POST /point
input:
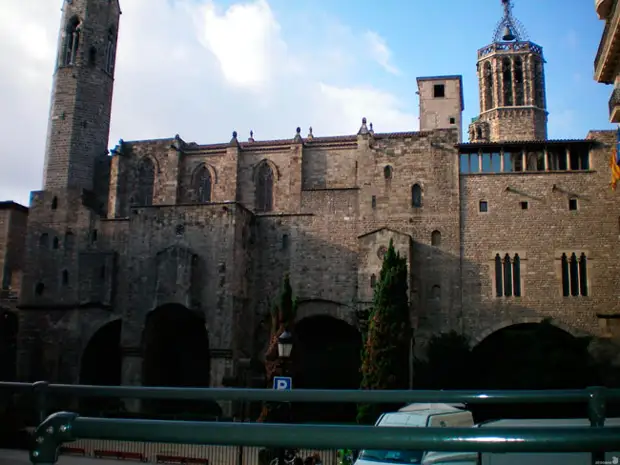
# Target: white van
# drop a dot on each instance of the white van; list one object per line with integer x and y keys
{"x": 417, "y": 416}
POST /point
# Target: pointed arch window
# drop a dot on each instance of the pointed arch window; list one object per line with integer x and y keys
{"x": 416, "y": 196}
{"x": 488, "y": 86}
{"x": 574, "y": 275}
{"x": 264, "y": 188}
{"x": 203, "y": 185}
{"x": 146, "y": 182}
{"x": 507, "y": 275}
{"x": 507, "y": 82}
{"x": 109, "y": 52}
{"x": 72, "y": 41}
{"x": 518, "y": 79}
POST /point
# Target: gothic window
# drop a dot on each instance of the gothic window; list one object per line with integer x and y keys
{"x": 39, "y": 289}
{"x": 55, "y": 243}
{"x": 507, "y": 275}
{"x": 264, "y": 188}
{"x": 436, "y": 292}
{"x": 373, "y": 280}
{"x": 488, "y": 87}
{"x": 284, "y": 241}
{"x": 54, "y": 203}
{"x": 387, "y": 172}
{"x": 92, "y": 57}
{"x": 507, "y": 82}
{"x": 539, "y": 85}
{"x": 93, "y": 236}
{"x": 69, "y": 239}
{"x": 203, "y": 184}
{"x": 519, "y": 91}
{"x": 436, "y": 238}
{"x": 416, "y": 196}
{"x": 479, "y": 132}
{"x": 72, "y": 41}
{"x": 43, "y": 240}
{"x": 146, "y": 182}
{"x": 109, "y": 52}
{"x": 574, "y": 275}
{"x": 373, "y": 201}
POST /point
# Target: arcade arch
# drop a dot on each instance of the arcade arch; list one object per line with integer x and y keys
{"x": 101, "y": 365}
{"x": 532, "y": 356}
{"x": 176, "y": 353}
{"x": 326, "y": 355}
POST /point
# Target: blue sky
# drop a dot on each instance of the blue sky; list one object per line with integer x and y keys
{"x": 428, "y": 40}
{"x": 204, "y": 68}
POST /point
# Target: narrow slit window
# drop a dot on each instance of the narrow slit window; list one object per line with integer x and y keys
{"x": 507, "y": 276}
{"x": 498, "y": 276}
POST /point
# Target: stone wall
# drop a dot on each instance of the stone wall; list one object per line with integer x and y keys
{"x": 13, "y": 225}
{"x": 540, "y": 234}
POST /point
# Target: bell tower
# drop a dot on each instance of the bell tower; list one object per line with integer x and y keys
{"x": 512, "y": 85}
{"x": 81, "y": 101}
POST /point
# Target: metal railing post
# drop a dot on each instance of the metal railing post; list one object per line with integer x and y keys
{"x": 51, "y": 433}
{"x": 40, "y": 390}
{"x": 596, "y": 413}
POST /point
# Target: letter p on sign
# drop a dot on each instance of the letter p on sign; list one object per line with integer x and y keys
{"x": 282, "y": 383}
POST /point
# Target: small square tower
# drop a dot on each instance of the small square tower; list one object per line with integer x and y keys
{"x": 441, "y": 103}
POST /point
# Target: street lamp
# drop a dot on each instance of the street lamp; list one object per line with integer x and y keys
{"x": 285, "y": 345}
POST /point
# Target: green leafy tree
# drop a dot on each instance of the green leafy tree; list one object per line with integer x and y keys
{"x": 282, "y": 319}
{"x": 385, "y": 355}
{"x": 448, "y": 363}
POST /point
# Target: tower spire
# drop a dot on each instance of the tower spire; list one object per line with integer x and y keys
{"x": 509, "y": 28}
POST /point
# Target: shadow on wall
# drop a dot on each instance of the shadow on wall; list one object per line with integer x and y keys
{"x": 514, "y": 358}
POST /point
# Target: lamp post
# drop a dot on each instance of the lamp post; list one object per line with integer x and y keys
{"x": 285, "y": 347}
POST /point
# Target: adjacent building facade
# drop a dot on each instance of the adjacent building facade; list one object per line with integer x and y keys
{"x": 606, "y": 63}
{"x": 508, "y": 228}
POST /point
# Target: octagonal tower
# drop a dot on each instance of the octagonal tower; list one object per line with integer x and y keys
{"x": 512, "y": 86}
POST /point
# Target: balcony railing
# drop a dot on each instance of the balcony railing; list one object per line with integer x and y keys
{"x": 65, "y": 427}
{"x": 614, "y": 106}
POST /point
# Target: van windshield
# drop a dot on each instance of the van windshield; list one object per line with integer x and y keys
{"x": 392, "y": 456}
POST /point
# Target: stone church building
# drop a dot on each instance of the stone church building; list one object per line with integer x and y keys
{"x": 177, "y": 240}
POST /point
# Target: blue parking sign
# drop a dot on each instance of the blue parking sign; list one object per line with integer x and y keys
{"x": 282, "y": 383}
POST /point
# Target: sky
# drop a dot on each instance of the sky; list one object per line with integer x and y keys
{"x": 204, "y": 68}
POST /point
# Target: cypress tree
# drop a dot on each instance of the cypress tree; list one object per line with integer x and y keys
{"x": 385, "y": 355}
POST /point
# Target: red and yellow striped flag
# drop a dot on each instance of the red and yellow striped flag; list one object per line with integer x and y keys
{"x": 614, "y": 161}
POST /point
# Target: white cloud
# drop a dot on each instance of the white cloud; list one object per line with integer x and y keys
{"x": 198, "y": 69}
{"x": 379, "y": 51}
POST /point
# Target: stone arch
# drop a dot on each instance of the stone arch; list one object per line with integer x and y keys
{"x": 72, "y": 39}
{"x": 486, "y": 332}
{"x": 532, "y": 355}
{"x": 8, "y": 345}
{"x": 175, "y": 345}
{"x": 271, "y": 164}
{"x": 146, "y": 170}
{"x": 265, "y": 178}
{"x": 416, "y": 195}
{"x": 100, "y": 364}
{"x": 203, "y": 178}
{"x": 326, "y": 355}
{"x": 307, "y": 308}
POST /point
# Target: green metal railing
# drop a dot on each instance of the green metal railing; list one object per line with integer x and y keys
{"x": 63, "y": 427}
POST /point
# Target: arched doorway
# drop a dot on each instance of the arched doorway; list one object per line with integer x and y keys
{"x": 101, "y": 366}
{"x": 326, "y": 356}
{"x": 176, "y": 353}
{"x": 532, "y": 356}
{"x": 8, "y": 344}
